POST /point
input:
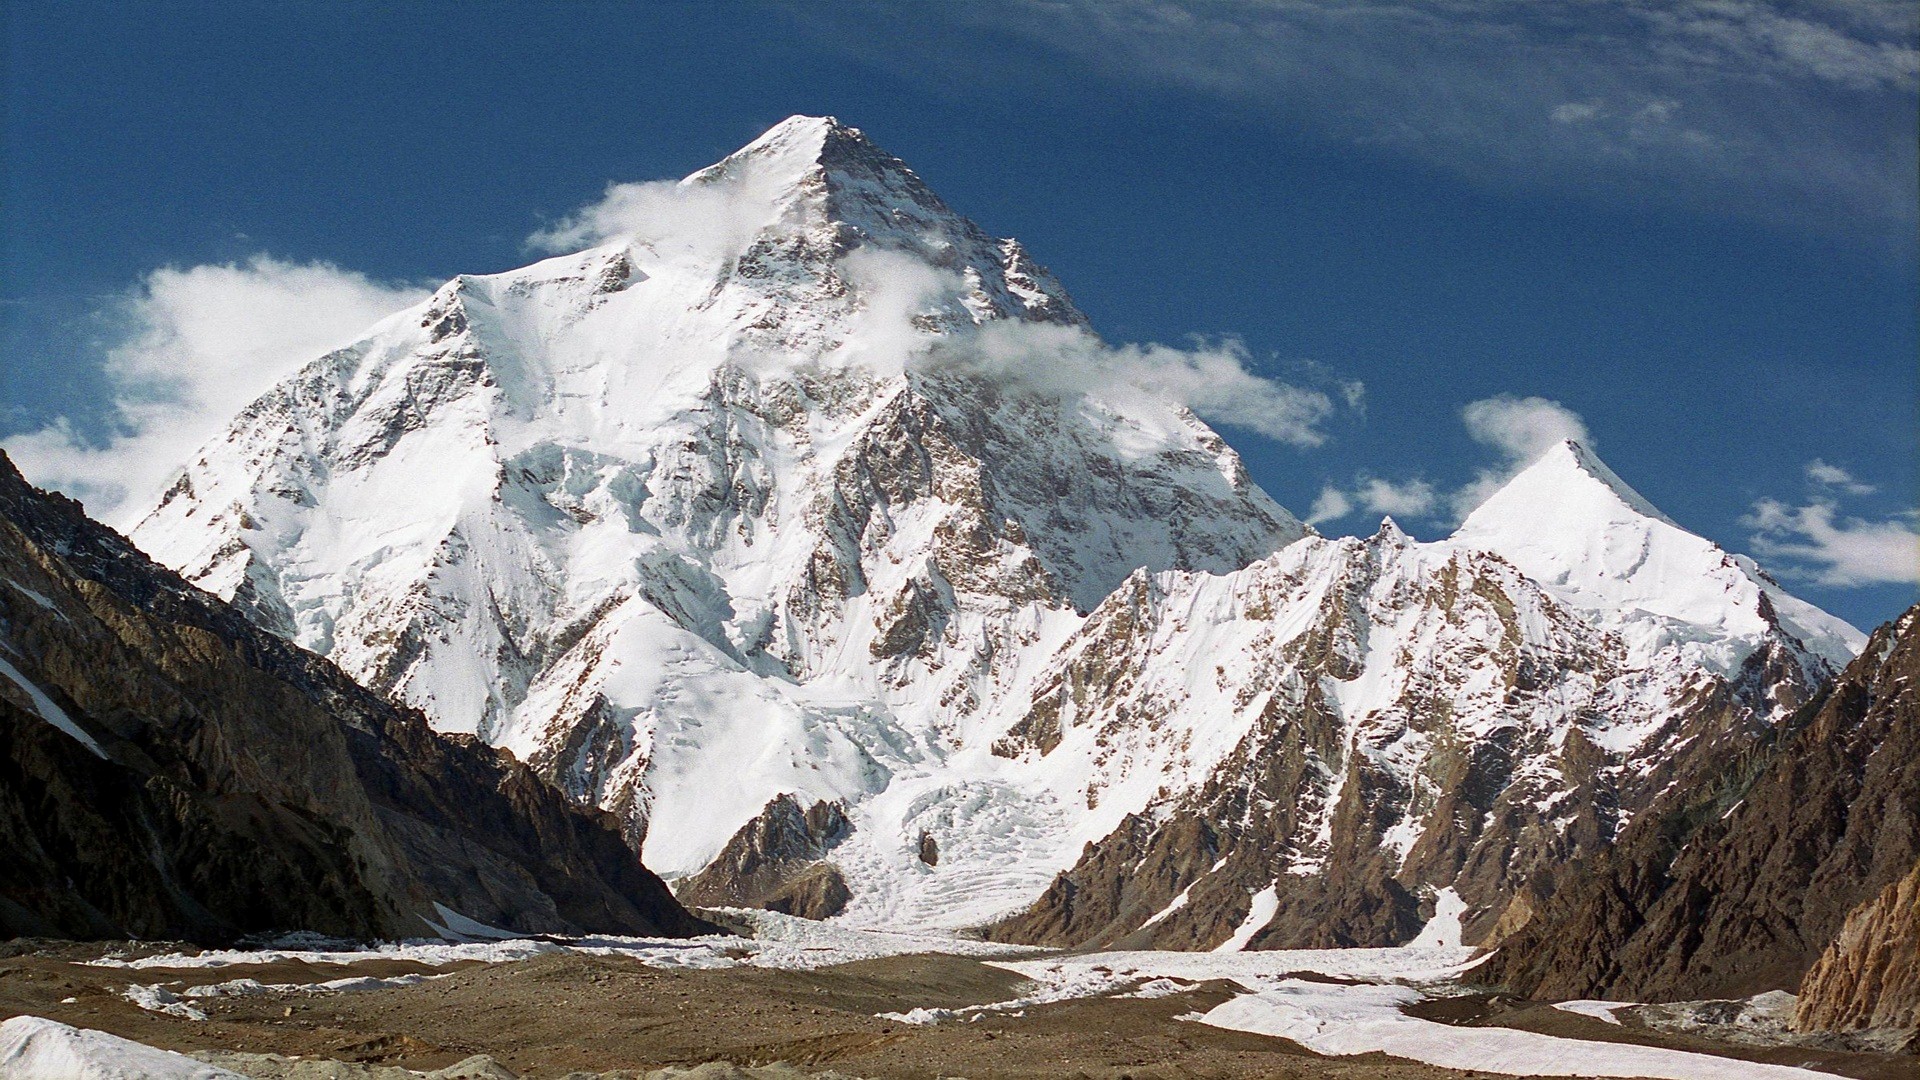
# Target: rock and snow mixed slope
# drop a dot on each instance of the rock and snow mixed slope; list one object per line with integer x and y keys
{"x": 782, "y": 497}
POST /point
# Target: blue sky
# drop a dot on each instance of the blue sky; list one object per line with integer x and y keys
{"x": 1688, "y": 226}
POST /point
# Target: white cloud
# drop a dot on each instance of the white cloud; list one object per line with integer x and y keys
{"x": 1574, "y": 112}
{"x": 1215, "y": 379}
{"x": 1800, "y": 111}
{"x": 703, "y": 221}
{"x": 200, "y": 344}
{"x": 1408, "y": 499}
{"x": 1834, "y": 476}
{"x": 1520, "y": 429}
{"x": 1332, "y": 504}
{"x": 1814, "y": 541}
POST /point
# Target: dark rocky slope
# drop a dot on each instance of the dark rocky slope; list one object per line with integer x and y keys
{"x": 1739, "y": 886}
{"x": 1498, "y": 800}
{"x": 231, "y": 783}
{"x": 778, "y": 861}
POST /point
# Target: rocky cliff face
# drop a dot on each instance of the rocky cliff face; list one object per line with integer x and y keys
{"x": 1869, "y": 977}
{"x": 831, "y": 504}
{"x": 1738, "y": 882}
{"x": 168, "y": 769}
{"x": 778, "y": 861}
{"x": 1426, "y": 724}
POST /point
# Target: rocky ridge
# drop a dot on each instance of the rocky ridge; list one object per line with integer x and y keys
{"x": 169, "y": 770}
{"x": 805, "y": 509}
{"x": 1791, "y": 867}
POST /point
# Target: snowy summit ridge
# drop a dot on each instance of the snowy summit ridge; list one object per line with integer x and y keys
{"x": 774, "y": 490}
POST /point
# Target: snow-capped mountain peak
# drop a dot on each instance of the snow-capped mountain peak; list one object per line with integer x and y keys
{"x": 705, "y": 524}
{"x": 1573, "y": 525}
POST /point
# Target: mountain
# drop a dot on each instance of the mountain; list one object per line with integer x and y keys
{"x": 1794, "y": 867}
{"x": 809, "y": 529}
{"x": 169, "y": 770}
{"x": 1391, "y": 719}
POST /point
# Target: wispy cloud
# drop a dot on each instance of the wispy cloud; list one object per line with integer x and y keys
{"x": 1217, "y": 378}
{"x": 1815, "y": 540}
{"x": 1802, "y": 110}
{"x": 1408, "y": 499}
{"x": 1520, "y": 429}
{"x": 196, "y": 345}
{"x": 1833, "y": 476}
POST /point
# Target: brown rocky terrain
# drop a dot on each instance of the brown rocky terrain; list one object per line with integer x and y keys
{"x": 232, "y": 783}
{"x": 1806, "y": 844}
{"x": 563, "y": 1014}
{"x": 1496, "y": 799}
{"x": 778, "y": 861}
{"x": 1870, "y": 976}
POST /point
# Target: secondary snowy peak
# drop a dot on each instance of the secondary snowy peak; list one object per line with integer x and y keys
{"x": 1570, "y": 523}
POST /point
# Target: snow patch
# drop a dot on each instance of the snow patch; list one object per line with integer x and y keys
{"x": 32, "y": 1047}
{"x": 1347, "y": 1020}
{"x": 1265, "y": 903}
{"x": 1443, "y": 930}
{"x": 1599, "y": 1010}
{"x": 50, "y": 712}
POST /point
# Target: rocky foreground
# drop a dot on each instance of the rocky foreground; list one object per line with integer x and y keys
{"x": 800, "y": 1000}
{"x": 167, "y": 769}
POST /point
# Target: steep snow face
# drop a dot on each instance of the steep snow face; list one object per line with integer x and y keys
{"x": 1569, "y": 523}
{"x": 721, "y": 511}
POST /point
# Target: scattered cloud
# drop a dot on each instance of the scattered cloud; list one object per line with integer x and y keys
{"x": 702, "y": 221}
{"x": 196, "y": 345}
{"x": 1833, "y": 476}
{"x": 1372, "y": 495}
{"x": 1815, "y": 541}
{"x": 1795, "y": 110}
{"x": 1214, "y": 378}
{"x": 1520, "y": 429}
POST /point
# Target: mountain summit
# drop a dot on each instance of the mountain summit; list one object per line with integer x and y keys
{"x": 736, "y": 524}
{"x": 1569, "y": 522}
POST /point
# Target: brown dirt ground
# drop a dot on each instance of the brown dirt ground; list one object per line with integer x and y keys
{"x": 553, "y": 1014}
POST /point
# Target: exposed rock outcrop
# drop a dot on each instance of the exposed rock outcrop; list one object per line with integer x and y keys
{"x": 1738, "y": 882}
{"x": 1869, "y": 977}
{"x": 777, "y": 862}
{"x": 168, "y": 769}
{"x": 1436, "y": 720}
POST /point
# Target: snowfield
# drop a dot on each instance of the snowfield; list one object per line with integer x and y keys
{"x": 35, "y": 1049}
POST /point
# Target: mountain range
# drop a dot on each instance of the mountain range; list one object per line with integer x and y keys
{"x": 811, "y": 532}
{"x": 711, "y": 516}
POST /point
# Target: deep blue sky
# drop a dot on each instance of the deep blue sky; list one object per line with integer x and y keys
{"x": 1722, "y": 303}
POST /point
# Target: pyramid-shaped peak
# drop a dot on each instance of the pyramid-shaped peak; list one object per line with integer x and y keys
{"x": 1574, "y": 526}
{"x": 802, "y": 147}
{"x": 1568, "y": 481}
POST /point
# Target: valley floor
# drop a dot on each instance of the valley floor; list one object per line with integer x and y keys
{"x": 857, "y": 1004}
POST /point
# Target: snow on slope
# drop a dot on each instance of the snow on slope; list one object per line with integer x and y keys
{"x": 1572, "y": 525}
{"x": 687, "y": 522}
{"x": 746, "y": 504}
